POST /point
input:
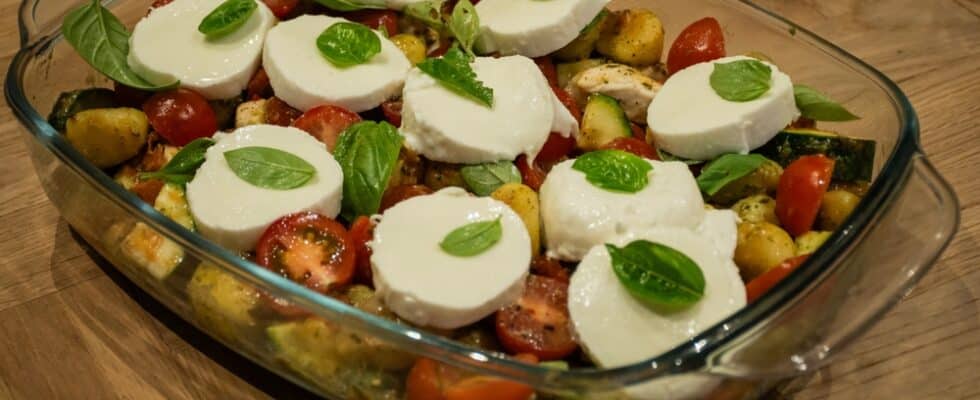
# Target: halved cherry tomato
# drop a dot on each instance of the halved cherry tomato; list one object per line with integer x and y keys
{"x": 531, "y": 175}
{"x": 431, "y": 380}
{"x": 556, "y": 148}
{"x": 638, "y": 131}
{"x": 259, "y": 86}
{"x": 401, "y": 193}
{"x": 326, "y": 123}
{"x": 282, "y": 8}
{"x": 376, "y": 18}
{"x": 181, "y": 116}
{"x": 277, "y": 112}
{"x": 444, "y": 46}
{"x": 308, "y": 248}
{"x": 569, "y": 103}
{"x": 800, "y": 192}
{"x": 393, "y": 112}
{"x": 762, "y": 283}
{"x": 550, "y": 268}
{"x": 361, "y": 232}
{"x": 547, "y": 68}
{"x": 700, "y": 42}
{"x": 538, "y": 323}
{"x": 633, "y": 145}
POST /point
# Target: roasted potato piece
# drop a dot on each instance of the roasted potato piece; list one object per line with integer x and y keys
{"x": 250, "y": 113}
{"x": 71, "y": 103}
{"x": 763, "y": 180}
{"x": 837, "y": 205}
{"x": 413, "y": 47}
{"x": 524, "y": 201}
{"x": 634, "y": 37}
{"x": 221, "y": 302}
{"x": 761, "y": 246}
{"x": 108, "y": 136}
{"x": 758, "y": 208}
{"x": 439, "y": 175}
{"x": 811, "y": 241}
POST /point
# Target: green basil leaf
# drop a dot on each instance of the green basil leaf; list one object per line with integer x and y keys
{"x": 103, "y": 42}
{"x": 269, "y": 168}
{"x": 428, "y": 12}
{"x": 483, "y": 179}
{"x": 227, "y": 18}
{"x": 464, "y": 24}
{"x": 181, "y": 168}
{"x": 614, "y": 170}
{"x": 368, "y": 153}
{"x": 727, "y": 169}
{"x": 472, "y": 239}
{"x": 453, "y": 71}
{"x": 742, "y": 80}
{"x": 657, "y": 275}
{"x": 352, "y": 5}
{"x": 346, "y": 44}
{"x": 818, "y": 107}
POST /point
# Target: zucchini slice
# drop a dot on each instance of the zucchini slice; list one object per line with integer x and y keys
{"x": 854, "y": 157}
{"x": 602, "y": 122}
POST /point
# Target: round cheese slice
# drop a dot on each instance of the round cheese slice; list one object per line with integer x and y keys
{"x": 303, "y": 78}
{"x": 533, "y": 28}
{"x": 233, "y": 212}
{"x": 427, "y": 286}
{"x": 688, "y": 119}
{"x": 166, "y": 46}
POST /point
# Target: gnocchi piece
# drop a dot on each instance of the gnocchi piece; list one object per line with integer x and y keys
{"x": 634, "y": 37}
{"x": 108, "y": 136}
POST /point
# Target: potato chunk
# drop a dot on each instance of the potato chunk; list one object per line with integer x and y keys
{"x": 108, "y": 136}
{"x": 634, "y": 37}
{"x": 524, "y": 201}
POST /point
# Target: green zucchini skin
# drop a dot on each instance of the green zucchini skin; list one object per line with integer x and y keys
{"x": 854, "y": 158}
{"x": 76, "y": 101}
{"x": 602, "y": 122}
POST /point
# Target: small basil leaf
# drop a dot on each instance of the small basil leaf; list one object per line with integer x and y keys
{"x": 742, "y": 80}
{"x": 429, "y": 12}
{"x": 657, "y": 275}
{"x": 818, "y": 107}
{"x": 614, "y": 170}
{"x": 368, "y": 153}
{"x": 727, "y": 169}
{"x": 352, "y": 5}
{"x": 227, "y": 18}
{"x": 472, "y": 239}
{"x": 181, "y": 168}
{"x": 483, "y": 179}
{"x": 346, "y": 44}
{"x": 464, "y": 24}
{"x": 103, "y": 42}
{"x": 453, "y": 71}
{"x": 269, "y": 168}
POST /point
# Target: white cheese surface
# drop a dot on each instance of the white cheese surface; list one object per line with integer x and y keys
{"x": 533, "y": 28}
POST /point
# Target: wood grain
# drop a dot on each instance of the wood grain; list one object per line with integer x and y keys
{"x": 73, "y": 328}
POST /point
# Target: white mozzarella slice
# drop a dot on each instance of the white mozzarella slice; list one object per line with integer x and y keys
{"x": 166, "y": 46}
{"x": 429, "y": 287}
{"x": 233, "y": 212}
{"x": 533, "y": 28}
{"x": 577, "y": 215}
{"x": 447, "y": 127}
{"x": 690, "y": 120}
{"x": 720, "y": 227}
{"x": 303, "y": 78}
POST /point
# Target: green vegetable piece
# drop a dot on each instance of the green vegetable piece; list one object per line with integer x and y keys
{"x": 464, "y": 24}
{"x": 227, "y": 18}
{"x": 74, "y": 102}
{"x": 472, "y": 239}
{"x": 657, "y": 275}
{"x": 727, "y": 169}
{"x": 346, "y": 44}
{"x": 603, "y": 121}
{"x": 102, "y": 41}
{"x": 483, "y": 179}
{"x": 666, "y": 156}
{"x": 368, "y": 154}
{"x": 614, "y": 170}
{"x": 428, "y": 12}
{"x": 269, "y": 168}
{"x": 184, "y": 164}
{"x": 453, "y": 71}
{"x": 352, "y": 5}
{"x": 742, "y": 80}
{"x": 818, "y": 107}
{"x": 854, "y": 159}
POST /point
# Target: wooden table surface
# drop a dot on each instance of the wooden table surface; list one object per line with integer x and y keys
{"x": 71, "y": 327}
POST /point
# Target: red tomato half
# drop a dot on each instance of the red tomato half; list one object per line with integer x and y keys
{"x": 800, "y": 192}
{"x": 277, "y": 112}
{"x": 538, "y": 323}
{"x": 361, "y": 232}
{"x": 376, "y": 18}
{"x": 700, "y": 42}
{"x": 556, "y": 148}
{"x": 762, "y": 283}
{"x": 547, "y": 68}
{"x": 308, "y": 248}
{"x": 326, "y": 123}
{"x": 282, "y": 8}
{"x": 181, "y": 116}
{"x": 632, "y": 145}
{"x": 259, "y": 86}
{"x": 431, "y": 380}
{"x": 531, "y": 175}
{"x": 569, "y": 103}
{"x": 392, "y": 111}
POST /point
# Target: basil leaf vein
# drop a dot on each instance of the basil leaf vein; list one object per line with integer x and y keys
{"x": 227, "y": 18}
{"x": 352, "y": 5}
{"x": 103, "y": 42}
{"x": 818, "y": 107}
{"x": 368, "y": 153}
{"x": 346, "y": 44}
{"x": 727, "y": 169}
{"x": 657, "y": 275}
{"x": 484, "y": 179}
{"x": 269, "y": 168}
{"x": 454, "y": 72}
{"x": 182, "y": 167}
{"x": 472, "y": 239}
{"x": 464, "y": 24}
{"x": 614, "y": 170}
{"x": 742, "y": 80}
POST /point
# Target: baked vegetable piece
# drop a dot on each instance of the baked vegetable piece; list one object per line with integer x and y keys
{"x": 108, "y": 136}
{"x": 853, "y": 158}
{"x": 602, "y": 122}
{"x": 74, "y": 102}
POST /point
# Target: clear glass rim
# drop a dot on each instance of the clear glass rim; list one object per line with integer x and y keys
{"x": 690, "y": 356}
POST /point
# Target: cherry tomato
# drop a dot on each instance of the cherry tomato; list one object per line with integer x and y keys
{"x": 277, "y": 112}
{"x": 259, "y": 86}
{"x": 401, "y": 193}
{"x": 361, "y": 232}
{"x": 633, "y": 145}
{"x": 376, "y": 18}
{"x": 308, "y": 248}
{"x": 282, "y": 8}
{"x": 700, "y": 42}
{"x": 762, "y": 283}
{"x": 157, "y": 4}
{"x": 181, "y": 116}
{"x": 538, "y": 323}
{"x": 569, "y": 103}
{"x": 556, "y": 148}
{"x": 148, "y": 190}
{"x": 130, "y": 97}
{"x": 800, "y": 192}
{"x": 549, "y": 268}
{"x": 444, "y": 46}
{"x": 393, "y": 112}
{"x": 431, "y": 380}
{"x": 531, "y": 175}
{"x": 547, "y": 68}
{"x": 638, "y": 131}
{"x": 326, "y": 123}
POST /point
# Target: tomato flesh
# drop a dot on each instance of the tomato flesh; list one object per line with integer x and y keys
{"x": 632, "y": 145}
{"x": 308, "y": 248}
{"x": 277, "y": 112}
{"x": 532, "y": 175}
{"x": 401, "y": 193}
{"x": 547, "y": 68}
{"x": 761, "y": 284}
{"x": 538, "y": 323}
{"x": 392, "y": 111}
{"x": 569, "y": 102}
{"x": 361, "y": 232}
{"x": 375, "y": 19}
{"x": 431, "y": 380}
{"x": 800, "y": 192}
{"x": 282, "y": 8}
{"x": 181, "y": 116}
{"x": 700, "y": 42}
{"x": 555, "y": 149}
{"x": 326, "y": 123}
{"x": 259, "y": 86}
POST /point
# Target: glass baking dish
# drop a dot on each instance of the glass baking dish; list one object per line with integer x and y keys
{"x": 902, "y": 225}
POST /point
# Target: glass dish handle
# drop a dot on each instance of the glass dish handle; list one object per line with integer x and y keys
{"x": 877, "y": 271}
